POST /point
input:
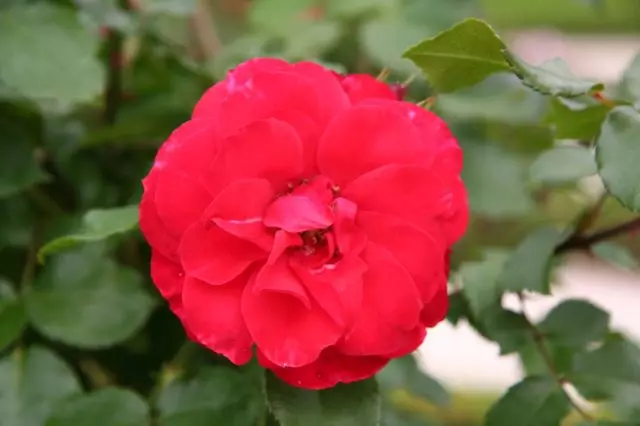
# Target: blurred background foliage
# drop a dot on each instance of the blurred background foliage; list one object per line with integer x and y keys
{"x": 90, "y": 88}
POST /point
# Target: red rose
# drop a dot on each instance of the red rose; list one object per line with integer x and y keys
{"x": 360, "y": 87}
{"x": 285, "y": 217}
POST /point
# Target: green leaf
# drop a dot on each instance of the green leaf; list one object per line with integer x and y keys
{"x": 564, "y": 164}
{"x": 461, "y": 56}
{"x": 480, "y": 281}
{"x": 215, "y": 395}
{"x": 629, "y": 87}
{"x": 535, "y": 401}
{"x": 495, "y": 181}
{"x": 509, "y": 329}
{"x": 606, "y": 423}
{"x": 105, "y": 407}
{"x": 96, "y": 225}
{"x": 404, "y": 373}
{"x": 274, "y": 16}
{"x": 529, "y": 267}
{"x": 615, "y": 254}
{"x": 577, "y": 118}
{"x": 48, "y": 55}
{"x": 551, "y": 78}
{"x": 84, "y": 299}
{"x": 355, "y": 8}
{"x": 534, "y": 363}
{"x": 33, "y": 383}
{"x": 611, "y": 369}
{"x": 618, "y": 155}
{"x": 575, "y": 323}
{"x": 343, "y": 405}
{"x": 171, "y": 7}
{"x": 458, "y": 307}
{"x": 12, "y": 316}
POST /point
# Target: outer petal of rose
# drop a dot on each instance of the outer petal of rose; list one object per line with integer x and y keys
{"x": 363, "y": 86}
{"x": 436, "y": 310}
{"x": 420, "y": 253}
{"x": 296, "y": 213}
{"x": 364, "y": 138}
{"x": 211, "y": 254}
{"x": 239, "y": 210}
{"x": 279, "y": 278}
{"x": 166, "y": 274}
{"x": 268, "y": 149}
{"x": 410, "y": 192}
{"x": 390, "y": 308}
{"x": 412, "y": 341}
{"x": 289, "y": 334}
{"x": 331, "y": 96}
{"x": 213, "y": 316}
{"x": 331, "y": 368}
{"x": 180, "y": 200}
{"x": 152, "y": 227}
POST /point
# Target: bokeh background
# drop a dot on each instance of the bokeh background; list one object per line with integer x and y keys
{"x": 161, "y": 55}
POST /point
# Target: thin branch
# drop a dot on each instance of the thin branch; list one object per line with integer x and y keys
{"x": 538, "y": 338}
{"x": 583, "y": 242}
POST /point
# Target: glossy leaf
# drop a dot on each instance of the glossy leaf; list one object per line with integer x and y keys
{"x": 461, "y": 56}
{"x": 480, "y": 281}
{"x": 577, "y": 118}
{"x": 564, "y": 164}
{"x": 575, "y": 323}
{"x": 33, "y": 382}
{"x": 12, "y": 316}
{"x": 343, "y": 405}
{"x": 630, "y": 85}
{"x": 618, "y": 156}
{"x": 87, "y": 300}
{"x": 96, "y": 225}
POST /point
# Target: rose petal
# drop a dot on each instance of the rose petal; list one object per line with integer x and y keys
{"x": 364, "y": 138}
{"x": 281, "y": 242}
{"x": 289, "y": 334}
{"x": 213, "y": 255}
{"x": 331, "y": 368}
{"x": 213, "y": 316}
{"x": 331, "y": 97}
{"x": 419, "y": 253}
{"x": 360, "y": 87}
{"x": 152, "y": 227}
{"x": 350, "y": 239}
{"x": 166, "y": 274}
{"x": 295, "y": 213}
{"x": 279, "y": 278}
{"x": 390, "y": 308}
{"x": 436, "y": 310}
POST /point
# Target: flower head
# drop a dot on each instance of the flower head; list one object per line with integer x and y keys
{"x": 306, "y": 218}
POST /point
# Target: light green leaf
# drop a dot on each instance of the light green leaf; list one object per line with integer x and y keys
{"x": 629, "y": 87}
{"x": 48, "y": 55}
{"x": 575, "y": 323}
{"x": 171, "y": 7}
{"x": 97, "y": 225}
{"x": 495, "y": 181}
{"x": 84, "y": 299}
{"x": 355, "y": 8}
{"x": 354, "y": 404}
{"x": 615, "y": 254}
{"x": 274, "y": 16}
{"x": 461, "y": 56}
{"x": 480, "y": 281}
{"x": 551, "y": 78}
{"x": 105, "y": 407}
{"x": 529, "y": 267}
{"x": 618, "y": 155}
{"x": 215, "y": 395}
{"x": 404, "y": 373}
{"x": 12, "y": 316}
{"x": 577, "y": 118}
{"x": 33, "y": 383}
{"x": 535, "y": 401}
{"x": 564, "y": 164}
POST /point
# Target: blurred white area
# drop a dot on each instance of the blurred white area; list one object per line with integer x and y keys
{"x": 458, "y": 356}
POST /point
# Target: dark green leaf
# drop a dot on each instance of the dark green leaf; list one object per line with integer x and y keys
{"x": 82, "y": 298}
{"x": 480, "y": 281}
{"x": 551, "y": 78}
{"x": 615, "y": 254}
{"x": 577, "y": 118}
{"x": 216, "y": 395}
{"x": 96, "y": 225}
{"x": 458, "y": 307}
{"x": 404, "y": 373}
{"x": 33, "y": 383}
{"x": 535, "y": 401}
{"x": 630, "y": 84}
{"x": 509, "y": 329}
{"x": 106, "y": 407}
{"x": 575, "y": 323}
{"x": 12, "y": 316}
{"x": 529, "y": 267}
{"x": 618, "y": 155}
{"x": 47, "y": 55}
{"x": 534, "y": 363}
{"x": 461, "y": 56}
{"x": 18, "y": 166}
{"x": 343, "y": 405}
{"x": 564, "y": 164}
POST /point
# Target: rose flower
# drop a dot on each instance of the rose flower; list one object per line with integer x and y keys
{"x": 305, "y": 218}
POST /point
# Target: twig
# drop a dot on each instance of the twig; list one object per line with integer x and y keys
{"x": 583, "y": 242}
{"x": 538, "y": 338}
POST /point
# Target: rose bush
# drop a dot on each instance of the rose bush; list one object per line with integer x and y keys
{"x": 308, "y": 216}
